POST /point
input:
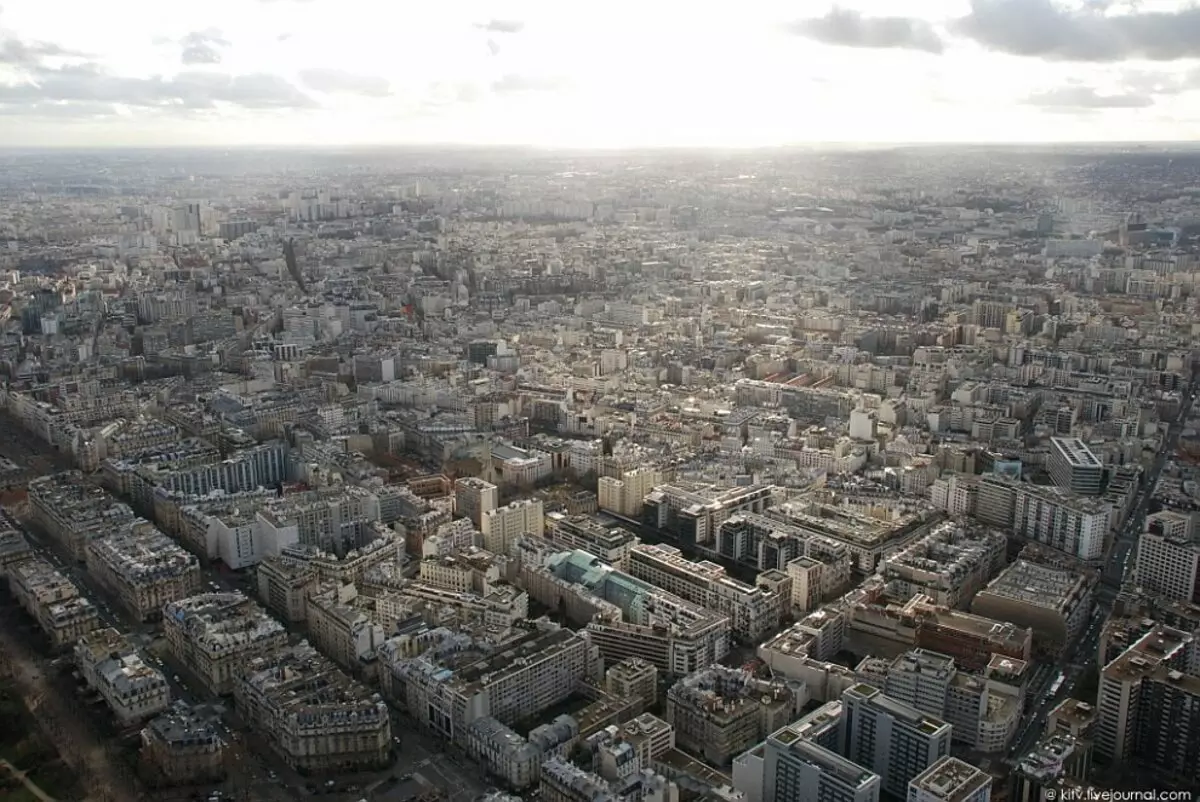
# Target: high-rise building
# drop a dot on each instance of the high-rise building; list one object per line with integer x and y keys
{"x": 1168, "y": 560}
{"x": 473, "y": 497}
{"x": 892, "y": 739}
{"x": 1073, "y": 466}
{"x": 800, "y": 763}
{"x": 503, "y": 526}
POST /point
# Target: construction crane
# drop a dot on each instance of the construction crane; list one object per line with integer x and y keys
{"x": 289, "y": 256}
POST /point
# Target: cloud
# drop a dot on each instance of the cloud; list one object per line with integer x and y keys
{"x": 847, "y": 28}
{"x": 513, "y": 83}
{"x": 15, "y": 53}
{"x": 61, "y": 111}
{"x": 88, "y": 83}
{"x": 1085, "y": 98}
{"x": 493, "y": 47}
{"x": 502, "y": 26}
{"x": 342, "y": 82}
{"x": 203, "y": 47}
{"x": 1045, "y": 29}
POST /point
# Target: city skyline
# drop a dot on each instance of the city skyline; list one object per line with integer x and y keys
{"x": 766, "y": 73}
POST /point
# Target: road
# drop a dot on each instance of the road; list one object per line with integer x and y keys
{"x": 1081, "y": 657}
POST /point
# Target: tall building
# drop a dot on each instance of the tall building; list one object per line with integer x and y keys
{"x": 473, "y": 497}
{"x": 1147, "y": 708}
{"x": 1058, "y": 518}
{"x": 951, "y": 780}
{"x": 1168, "y": 560}
{"x": 1073, "y": 466}
{"x": 503, "y": 526}
{"x": 892, "y": 739}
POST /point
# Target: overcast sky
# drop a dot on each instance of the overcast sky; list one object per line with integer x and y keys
{"x": 609, "y": 74}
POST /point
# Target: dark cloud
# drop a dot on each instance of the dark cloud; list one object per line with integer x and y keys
{"x": 15, "y": 53}
{"x": 203, "y": 47}
{"x": 502, "y": 26}
{"x": 1085, "y": 98}
{"x": 88, "y": 83}
{"x": 847, "y": 28}
{"x": 342, "y": 82}
{"x": 1045, "y": 29}
{"x": 513, "y": 83}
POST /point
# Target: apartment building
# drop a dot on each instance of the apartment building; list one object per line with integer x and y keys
{"x": 473, "y": 497}
{"x": 73, "y": 512}
{"x": 1053, "y": 602}
{"x": 315, "y": 717}
{"x": 284, "y": 585}
{"x": 1148, "y": 706}
{"x": 537, "y": 671}
{"x": 505, "y": 753}
{"x": 340, "y": 627}
{"x": 53, "y": 601}
{"x": 1168, "y": 559}
{"x": 111, "y": 666}
{"x": 720, "y": 712}
{"x": 216, "y": 634}
{"x": 1074, "y": 524}
{"x": 695, "y": 512}
{"x": 892, "y": 739}
{"x": 625, "y": 495}
{"x": 14, "y": 548}
{"x": 336, "y": 520}
{"x": 949, "y": 565}
{"x": 144, "y": 568}
{"x": 633, "y": 678}
{"x": 753, "y": 611}
{"x": 183, "y": 747}
{"x": 503, "y": 526}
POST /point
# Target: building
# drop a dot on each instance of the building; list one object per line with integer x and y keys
{"x": 14, "y": 548}
{"x": 1059, "y": 518}
{"x": 216, "y": 634}
{"x": 473, "y": 497}
{"x": 143, "y": 567}
{"x": 753, "y": 611}
{"x": 949, "y": 565}
{"x": 609, "y": 542}
{"x": 1074, "y": 467}
{"x": 1168, "y": 558}
{"x": 53, "y": 601}
{"x": 73, "y": 512}
{"x": 892, "y": 739}
{"x": 721, "y": 712}
{"x": 111, "y": 666}
{"x": 504, "y": 753}
{"x": 633, "y": 677}
{"x": 1148, "y": 707}
{"x": 951, "y": 780}
{"x": 284, "y": 586}
{"x": 1053, "y": 602}
{"x": 801, "y": 763}
{"x": 314, "y": 716}
{"x": 1052, "y": 768}
{"x": 183, "y": 747}
{"x": 503, "y": 526}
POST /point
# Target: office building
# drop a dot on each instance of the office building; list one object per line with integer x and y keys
{"x": 216, "y": 634}
{"x": 609, "y": 542}
{"x": 892, "y": 739}
{"x": 314, "y": 716}
{"x": 1073, "y": 466}
{"x": 1168, "y": 558}
{"x": 951, "y": 780}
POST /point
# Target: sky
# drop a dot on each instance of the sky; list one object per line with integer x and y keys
{"x": 618, "y": 73}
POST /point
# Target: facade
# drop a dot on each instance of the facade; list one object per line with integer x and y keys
{"x": 314, "y": 716}
{"x": 503, "y": 526}
{"x": 111, "y": 666}
{"x": 216, "y": 634}
{"x": 1072, "y": 523}
{"x": 1168, "y": 559}
{"x": 53, "y": 601}
{"x": 1074, "y": 467}
{"x": 143, "y": 567}
{"x": 893, "y": 739}
{"x": 505, "y": 753}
